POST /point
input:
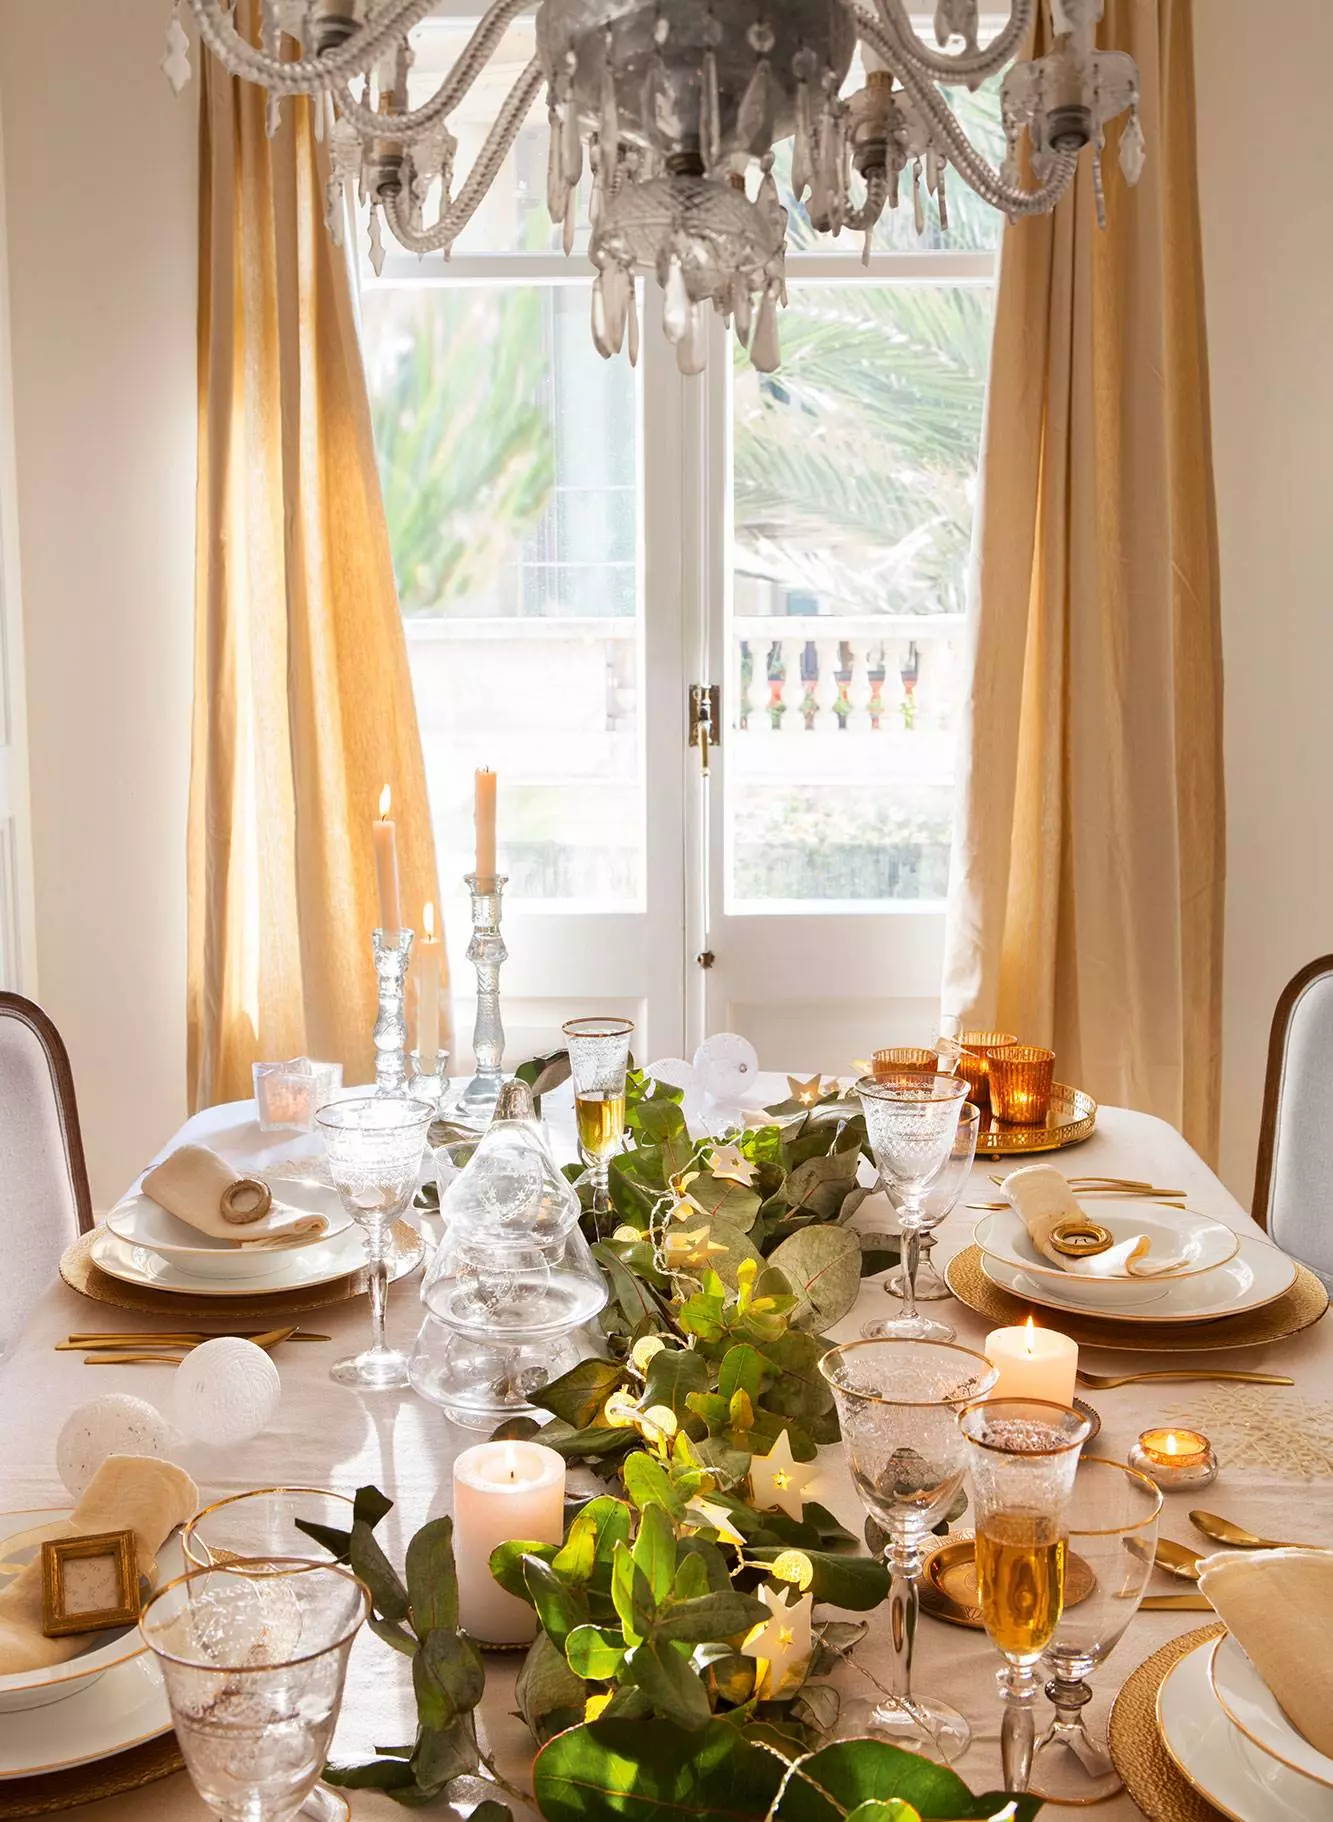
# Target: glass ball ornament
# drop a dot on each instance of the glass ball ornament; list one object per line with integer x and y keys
{"x": 114, "y": 1424}
{"x": 225, "y": 1391}
{"x": 726, "y": 1065}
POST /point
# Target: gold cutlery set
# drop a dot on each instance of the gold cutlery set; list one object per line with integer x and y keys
{"x": 1123, "y": 1188}
{"x": 167, "y": 1347}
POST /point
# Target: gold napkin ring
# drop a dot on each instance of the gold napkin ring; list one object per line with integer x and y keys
{"x": 247, "y": 1199}
{"x": 1081, "y": 1239}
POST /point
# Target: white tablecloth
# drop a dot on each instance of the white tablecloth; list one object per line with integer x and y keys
{"x": 325, "y": 1435}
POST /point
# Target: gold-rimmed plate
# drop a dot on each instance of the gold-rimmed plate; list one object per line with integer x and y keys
{"x": 1296, "y": 1309}
{"x": 1070, "y": 1119}
{"x": 1250, "y": 1705}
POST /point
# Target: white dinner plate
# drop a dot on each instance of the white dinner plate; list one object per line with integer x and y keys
{"x": 115, "y": 1712}
{"x": 22, "y": 1691}
{"x": 1259, "y": 1274}
{"x": 1219, "y": 1761}
{"x": 287, "y": 1271}
{"x": 1252, "y": 1707}
{"x": 1203, "y": 1243}
{"x": 141, "y": 1222}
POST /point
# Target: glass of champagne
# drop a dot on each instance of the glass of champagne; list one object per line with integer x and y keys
{"x": 1023, "y": 1455}
{"x": 912, "y": 1121}
{"x": 599, "y": 1057}
{"x": 254, "y": 1657}
{"x": 898, "y": 1404}
{"x": 941, "y": 1199}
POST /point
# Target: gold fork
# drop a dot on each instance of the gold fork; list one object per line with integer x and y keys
{"x": 1103, "y": 1382}
{"x": 269, "y": 1339}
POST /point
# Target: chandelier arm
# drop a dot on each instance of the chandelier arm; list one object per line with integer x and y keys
{"x": 959, "y": 66}
{"x": 470, "y": 63}
{"x": 309, "y": 75}
{"x": 459, "y": 212}
{"x": 861, "y": 220}
{"x": 963, "y": 155}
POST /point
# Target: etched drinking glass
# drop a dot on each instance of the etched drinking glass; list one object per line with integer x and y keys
{"x": 374, "y": 1146}
{"x": 598, "y": 1059}
{"x": 266, "y": 1522}
{"x": 941, "y": 1199}
{"x": 898, "y": 1405}
{"x": 1112, "y": 1517}
{"x": 912, "y": 1121}
{"x": 254, "y": 1658}
{"x": 1023, "y": 1456}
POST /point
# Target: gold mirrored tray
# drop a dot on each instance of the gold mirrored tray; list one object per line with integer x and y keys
{"x": 1071, "y": 1119}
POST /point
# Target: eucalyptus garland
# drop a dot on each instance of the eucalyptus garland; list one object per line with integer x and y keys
{"x": 682, "y": 1655}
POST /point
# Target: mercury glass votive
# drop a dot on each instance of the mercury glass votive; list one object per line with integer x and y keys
{"x": 974, "y": 1061}
{"x": 1179, "y": 1461}
{"x": 289, "y": 1095}
{"x": 1020, "y": 1083}
{"x": 905, "y": 1060}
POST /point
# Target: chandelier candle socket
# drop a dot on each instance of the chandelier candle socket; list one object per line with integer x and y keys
{"x": 1033, "y": 1363}
{"x": 384, "y": 835}
{"x": 673, "y": 110}
{"x": 1179, "y": 1461}
{"x": 502, "y": 1491}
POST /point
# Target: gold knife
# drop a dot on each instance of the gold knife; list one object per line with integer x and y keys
{"x": 1176, "y": 1603}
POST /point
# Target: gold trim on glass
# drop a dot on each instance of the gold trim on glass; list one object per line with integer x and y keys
{"x": 1061, "y": 1447}
{"x": 892, "y": 1341}
{"x": 272, "y": 1571}
{"x": 236, "y": 1499}
{"x": 1240, "y": 1726}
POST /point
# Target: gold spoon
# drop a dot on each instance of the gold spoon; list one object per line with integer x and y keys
{"x": 268, "y": 1340}
{"x": 1103, "y": 1382}
{"x": 1222, "y": 1531}
{"x": 1177, "y": 1559}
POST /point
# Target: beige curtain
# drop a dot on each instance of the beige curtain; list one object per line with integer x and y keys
{"x": 303, "y": 705}
{"x": 1086, "y": 897}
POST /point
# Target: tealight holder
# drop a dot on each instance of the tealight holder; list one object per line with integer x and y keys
{"x": 1178, "y": 1461}
{"x": 974, "y": 1061}
{"x": 289, "y": 1095}
{"x": 1020, "y": 1077}
{"x": 905, "y": 1061}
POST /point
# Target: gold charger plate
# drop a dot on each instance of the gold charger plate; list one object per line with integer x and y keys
{"x": 1151, "y": 1779}
{"x": 56, "y": 1790}
{"x": 1296, "y": 1309}
{"x": 1071, "y": 1119}
{"x": 79, "y": 1272}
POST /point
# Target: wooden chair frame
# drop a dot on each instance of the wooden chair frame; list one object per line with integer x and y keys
{"x": 1277, "y": 1048}
{"x": 14, "y": 1006}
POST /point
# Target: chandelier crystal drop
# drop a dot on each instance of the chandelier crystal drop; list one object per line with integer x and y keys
{"x": 670, "y": 111}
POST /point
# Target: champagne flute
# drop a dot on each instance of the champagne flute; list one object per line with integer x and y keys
{"x": 912, "y": 1121}
{"x": 1023, "y": 1454}
{"x": 598, "y": 1059}
{"x": 941, "y": 1200}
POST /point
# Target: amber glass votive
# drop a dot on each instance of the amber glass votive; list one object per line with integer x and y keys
{"x": 903, "y": 1062}
{"x": 1020, "y": 1083}
{"x": 974, "y": 1063}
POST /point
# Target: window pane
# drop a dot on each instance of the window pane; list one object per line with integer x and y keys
{"x": 854, "y": 475}
{"x": 508, "y": 456}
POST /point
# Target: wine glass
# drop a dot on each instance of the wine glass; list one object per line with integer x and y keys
{"x": 263, "y": 1523}
{"x": 898, "y": 1404}
{"x": 1113, "y": 1518}
{"x": 911, "y": 1120}
{"x": 598, "y": 1059}
{"x": 941, "y": 1200}
{"x": 1023, "y": 1455}
{"x": 374, "y": 1145}
{"x": 254, "y": 1657}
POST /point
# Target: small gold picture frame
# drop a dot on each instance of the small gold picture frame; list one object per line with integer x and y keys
{"x": 89, "y": 1583}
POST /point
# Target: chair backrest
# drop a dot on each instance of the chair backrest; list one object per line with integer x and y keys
{"x": 1293, "y": 1182}
{"x": 44, "y": 1195}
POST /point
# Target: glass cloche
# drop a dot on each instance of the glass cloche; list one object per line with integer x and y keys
{"x": 512, "y": 1281}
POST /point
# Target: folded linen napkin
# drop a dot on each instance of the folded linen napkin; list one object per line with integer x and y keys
{"x": 190, "y": 1184}
{"x": 128, "y": 1493}
{"x": 1042, "y": 1199}
{"x": 1278, "y": 1606}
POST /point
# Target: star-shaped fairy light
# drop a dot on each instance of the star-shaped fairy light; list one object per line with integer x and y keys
{"x": 717, "y": 1518}
{"x": 781, "y": 1644}
{"x": 729, "y": 1165}
{"x": 777, "y": 1480}
{"x": 805, "y": 1092}
{"x": 691, "y": 1250}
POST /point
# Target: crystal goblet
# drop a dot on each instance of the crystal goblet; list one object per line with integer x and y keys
{"x": 941, "y": 1200}
{"x": 911, "y": 1120}
{"x": 1112, "y": 1517}
{"x": 374, "y": 1146}
{"x": 598, "y": 1059}
{"x": 253, "y": 1658}
{"x": 898, "y": 1404}
{"x": 1023, "y": 1456}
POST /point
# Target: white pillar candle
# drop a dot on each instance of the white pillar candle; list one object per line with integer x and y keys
{"x": 484, "y": 810}
{"x": 1033, "y": 1363}
{"x": 384, "y": 833}
{"x": 502, "y": 1491}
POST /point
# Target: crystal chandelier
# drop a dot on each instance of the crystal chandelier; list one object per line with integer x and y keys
{"x": 670, "y": 106}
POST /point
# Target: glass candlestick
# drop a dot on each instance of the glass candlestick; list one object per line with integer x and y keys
{"x": 429, "y": 1083}
{"x": 487, "y": 953}
{"x": 392, "y": 949}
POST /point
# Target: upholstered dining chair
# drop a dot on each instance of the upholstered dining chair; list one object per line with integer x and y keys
{"x": 1293, "y": 1182}
{"x": 44, "y": 1195}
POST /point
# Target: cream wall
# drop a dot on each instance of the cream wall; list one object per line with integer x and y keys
{"x": 1265, "y": 160}
{"x": 101, "y": 224}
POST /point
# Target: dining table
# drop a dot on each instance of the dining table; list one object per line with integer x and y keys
{"x": 326, "y": 1435}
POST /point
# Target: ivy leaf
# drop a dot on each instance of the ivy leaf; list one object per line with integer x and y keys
{"x": 550, "y": 1697}
{"x": 432, "y": 1581}
{"x": 595, "y": 1653}
{"x": 672, "y": 1375}
{"x": 377, "y": 1572}
{"x": 632, "y": 1596}
{"x": 577, "y": 1396}
{"x": 650, "y": 1771}
{"x": 710, "y": 1618}
{"x": 669, "y": 1683}
{"x": 655, "y": 1551}
{"x": 559, "y": 1607}
{"x": 823, "y": 1267}
{"x": 448, "y": 1678}
{"x": 832, "y": 1782}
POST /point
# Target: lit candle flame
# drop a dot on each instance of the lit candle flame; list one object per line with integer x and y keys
{"x": 1172, "y": 1443}
{"x": 428, "y": 921}
{"x": 511, "y": 1461}
{"x": 386, "y": 803}
{"x": 1030, "y": 1335}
